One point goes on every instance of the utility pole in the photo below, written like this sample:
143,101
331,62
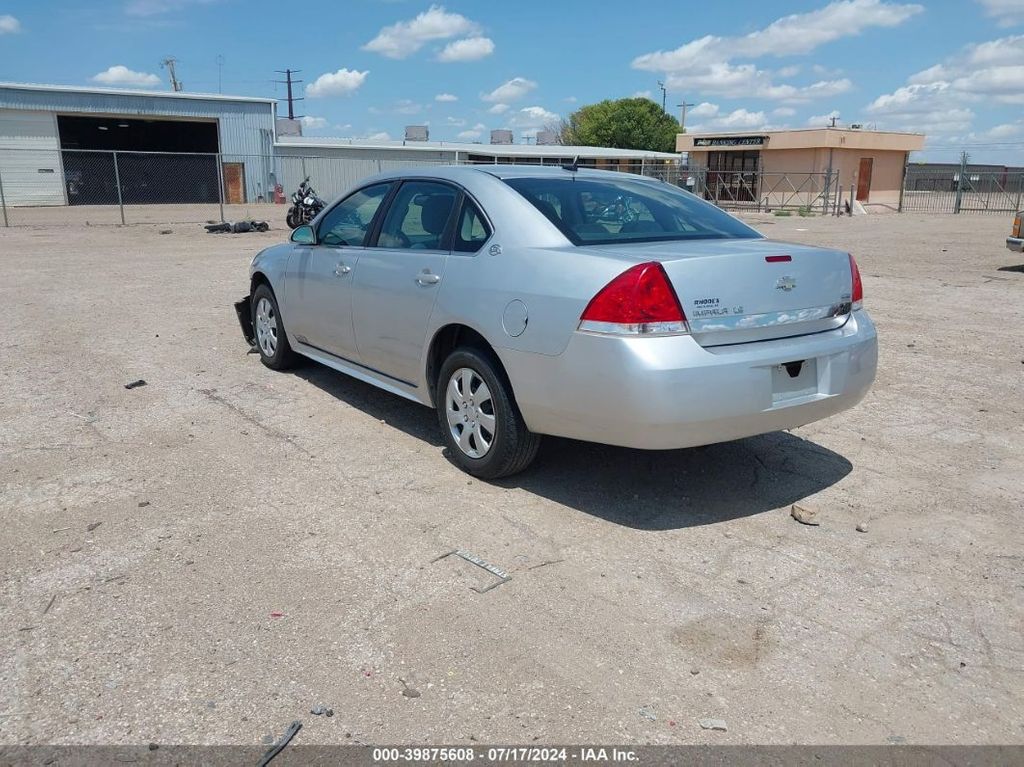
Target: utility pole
290,82
664,94
682,122
168,64
834,118
220,71
961,182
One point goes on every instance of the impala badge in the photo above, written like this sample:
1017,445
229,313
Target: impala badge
785,283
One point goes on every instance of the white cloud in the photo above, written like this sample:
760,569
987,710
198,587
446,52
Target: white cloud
706,65
783,112
713,119
923,108
404,38
702,110
938,100
9,25
122,75
989,70
407,107
446,97
499,109
821,121
470,49
341,83
570,99
641,95
513,90
533,117
382,136
1007,13
456,122
313,123
470,135
1006,130
741,118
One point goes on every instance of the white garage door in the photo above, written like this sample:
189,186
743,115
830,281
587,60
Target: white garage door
30,162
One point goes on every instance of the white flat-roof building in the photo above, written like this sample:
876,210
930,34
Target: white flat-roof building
319,158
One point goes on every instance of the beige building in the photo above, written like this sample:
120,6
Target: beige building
790,167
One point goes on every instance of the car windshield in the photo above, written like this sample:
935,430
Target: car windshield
599,211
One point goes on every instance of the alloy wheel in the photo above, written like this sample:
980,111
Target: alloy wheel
470,412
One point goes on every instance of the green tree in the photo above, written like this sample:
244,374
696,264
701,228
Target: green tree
623,124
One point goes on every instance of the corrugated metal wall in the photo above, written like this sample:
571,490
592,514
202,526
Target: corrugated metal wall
246,127
333,171
30,158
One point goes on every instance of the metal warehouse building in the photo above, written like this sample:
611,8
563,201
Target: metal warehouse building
334,165
73,146
100,146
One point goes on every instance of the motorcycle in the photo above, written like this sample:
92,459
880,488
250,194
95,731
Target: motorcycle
306,203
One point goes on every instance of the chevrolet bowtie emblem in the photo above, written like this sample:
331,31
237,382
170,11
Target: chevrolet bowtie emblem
785,283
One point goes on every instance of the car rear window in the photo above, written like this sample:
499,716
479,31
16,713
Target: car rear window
599,211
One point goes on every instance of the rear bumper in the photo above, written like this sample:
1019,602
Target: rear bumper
1016,244
666,393
243,309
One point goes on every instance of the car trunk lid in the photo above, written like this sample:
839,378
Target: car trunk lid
740,291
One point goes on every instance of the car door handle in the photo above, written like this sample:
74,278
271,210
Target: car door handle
426,278
341,270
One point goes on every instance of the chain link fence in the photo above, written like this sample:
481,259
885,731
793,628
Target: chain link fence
956,190
46,187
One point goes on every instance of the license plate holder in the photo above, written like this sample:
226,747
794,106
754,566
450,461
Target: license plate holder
786,386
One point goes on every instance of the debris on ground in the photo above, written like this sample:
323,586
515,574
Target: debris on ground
143,504
49,604
135,384
407,691
278,747
276,615
92,526
473,559
647,713
321,711
713,724
237,227
804,515
166,231
862,528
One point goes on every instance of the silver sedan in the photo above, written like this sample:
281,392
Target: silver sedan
520,301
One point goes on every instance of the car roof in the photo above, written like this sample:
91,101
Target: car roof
464,173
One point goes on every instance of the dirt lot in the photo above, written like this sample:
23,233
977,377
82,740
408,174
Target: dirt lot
151,536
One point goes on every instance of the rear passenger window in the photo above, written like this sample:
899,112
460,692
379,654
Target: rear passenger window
418,216
472,231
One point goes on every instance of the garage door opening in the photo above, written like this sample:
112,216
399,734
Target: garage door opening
157,161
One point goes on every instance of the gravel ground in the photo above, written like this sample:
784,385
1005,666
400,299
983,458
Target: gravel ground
152,537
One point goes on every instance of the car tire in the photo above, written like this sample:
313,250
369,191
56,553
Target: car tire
268,330
480,422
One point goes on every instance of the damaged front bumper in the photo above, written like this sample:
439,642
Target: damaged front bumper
243,309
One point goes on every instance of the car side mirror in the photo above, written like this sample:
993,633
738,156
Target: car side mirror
303,235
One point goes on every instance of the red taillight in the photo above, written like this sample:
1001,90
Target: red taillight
639,301
857,294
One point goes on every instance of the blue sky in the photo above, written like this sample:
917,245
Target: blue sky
953,69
